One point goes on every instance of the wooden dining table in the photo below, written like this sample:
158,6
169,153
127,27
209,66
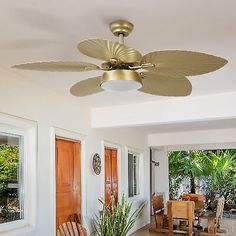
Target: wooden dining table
199,209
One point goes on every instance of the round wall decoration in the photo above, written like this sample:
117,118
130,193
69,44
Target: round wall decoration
97,164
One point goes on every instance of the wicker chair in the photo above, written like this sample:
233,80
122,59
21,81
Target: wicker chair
71,229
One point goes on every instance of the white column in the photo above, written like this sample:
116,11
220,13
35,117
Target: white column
161,172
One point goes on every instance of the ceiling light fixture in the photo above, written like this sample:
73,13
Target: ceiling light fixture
121,80
161,73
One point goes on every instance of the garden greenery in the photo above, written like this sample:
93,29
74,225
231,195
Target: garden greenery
9,159
215,169
116,219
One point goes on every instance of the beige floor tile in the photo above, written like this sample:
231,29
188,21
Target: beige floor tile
229,224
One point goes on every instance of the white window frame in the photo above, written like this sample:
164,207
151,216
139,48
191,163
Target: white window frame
140,154
28,130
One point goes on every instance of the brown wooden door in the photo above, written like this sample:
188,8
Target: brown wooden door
68,180
111,174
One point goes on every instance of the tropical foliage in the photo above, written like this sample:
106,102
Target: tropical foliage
9,202
215,169
9,159
116,219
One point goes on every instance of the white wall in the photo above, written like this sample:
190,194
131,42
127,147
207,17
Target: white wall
161,172
26,99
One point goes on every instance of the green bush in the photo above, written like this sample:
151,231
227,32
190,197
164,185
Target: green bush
9,160
116,219
216,168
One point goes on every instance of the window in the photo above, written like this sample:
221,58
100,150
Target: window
18,156
133,174
11,179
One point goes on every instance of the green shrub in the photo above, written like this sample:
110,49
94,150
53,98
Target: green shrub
116,219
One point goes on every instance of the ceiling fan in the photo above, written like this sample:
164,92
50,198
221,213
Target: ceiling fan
124,68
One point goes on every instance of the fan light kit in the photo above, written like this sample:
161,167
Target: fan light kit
124,68
121,80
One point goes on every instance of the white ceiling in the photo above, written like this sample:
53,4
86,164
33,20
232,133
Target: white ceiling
41,30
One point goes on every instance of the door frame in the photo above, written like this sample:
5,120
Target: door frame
109,144
73,136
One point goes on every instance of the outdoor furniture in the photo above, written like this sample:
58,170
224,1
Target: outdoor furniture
180,210
199,200
75,218
71,229
214,220
219,214
158,209
209,234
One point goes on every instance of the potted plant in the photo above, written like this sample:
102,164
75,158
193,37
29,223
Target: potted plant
116,219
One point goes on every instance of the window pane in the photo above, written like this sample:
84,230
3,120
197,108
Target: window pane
137,175
130,174
133,174
10,177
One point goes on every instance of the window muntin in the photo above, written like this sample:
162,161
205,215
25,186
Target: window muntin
11,178
133,174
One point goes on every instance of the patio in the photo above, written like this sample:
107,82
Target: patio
68,138
229,224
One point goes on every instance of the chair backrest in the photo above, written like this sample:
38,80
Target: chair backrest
71,229
75,218
219,211
195,197
180,210
157,202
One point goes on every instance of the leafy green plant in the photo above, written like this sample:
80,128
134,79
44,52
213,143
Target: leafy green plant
9,203
220,167
116,219
186,165
9,159
215,169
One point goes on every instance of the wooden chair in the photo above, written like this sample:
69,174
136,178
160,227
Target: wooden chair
71,229
214,221
219,214
75,218
199,199
158,210
180,210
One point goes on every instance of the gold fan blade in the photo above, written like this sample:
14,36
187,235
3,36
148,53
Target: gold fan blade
183,63
158,84
87,87
106,50
61,66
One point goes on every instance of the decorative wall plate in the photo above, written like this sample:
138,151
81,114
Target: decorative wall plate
97,164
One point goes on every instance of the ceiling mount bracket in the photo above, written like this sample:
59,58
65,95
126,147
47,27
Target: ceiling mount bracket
121,27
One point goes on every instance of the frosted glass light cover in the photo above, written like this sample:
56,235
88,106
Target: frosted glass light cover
121,85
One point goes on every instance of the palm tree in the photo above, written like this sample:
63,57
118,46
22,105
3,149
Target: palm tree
186,165
217,168
220,167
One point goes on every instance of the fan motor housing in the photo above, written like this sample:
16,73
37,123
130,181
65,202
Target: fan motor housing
121,80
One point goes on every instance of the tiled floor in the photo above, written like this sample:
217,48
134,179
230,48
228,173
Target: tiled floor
229,224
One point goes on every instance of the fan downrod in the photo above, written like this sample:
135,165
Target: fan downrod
121,27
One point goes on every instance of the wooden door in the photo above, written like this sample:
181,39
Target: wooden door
111,174
68,180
